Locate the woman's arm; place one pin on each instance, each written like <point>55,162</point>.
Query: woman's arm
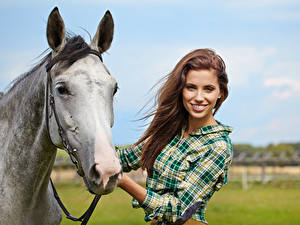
<point>198,182</point>
<point>135,190</point>
<point>129,156</point>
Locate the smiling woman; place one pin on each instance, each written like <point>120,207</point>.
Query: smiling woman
<point>185,151</point>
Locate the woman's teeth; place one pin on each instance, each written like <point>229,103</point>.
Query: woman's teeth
<point>199,106</point>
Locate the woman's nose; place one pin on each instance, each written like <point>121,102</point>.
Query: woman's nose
<point>199,96</point>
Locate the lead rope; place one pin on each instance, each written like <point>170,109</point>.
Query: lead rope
<point>85,217</point>
<point>72,153</point>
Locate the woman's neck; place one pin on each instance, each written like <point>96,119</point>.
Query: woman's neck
<point>194,123</point>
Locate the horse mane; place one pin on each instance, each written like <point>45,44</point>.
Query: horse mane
<point>74,49</point>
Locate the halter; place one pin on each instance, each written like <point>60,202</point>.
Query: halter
<point>66,144</point>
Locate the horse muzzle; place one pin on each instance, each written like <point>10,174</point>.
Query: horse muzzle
<point>104,180</point>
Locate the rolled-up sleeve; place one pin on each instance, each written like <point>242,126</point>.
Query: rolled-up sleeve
<point>130,156</point>
<point>199,181</point>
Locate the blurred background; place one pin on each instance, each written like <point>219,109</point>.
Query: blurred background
<point>259,41</point>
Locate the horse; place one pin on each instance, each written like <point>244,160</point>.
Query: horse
<point>74,76</point>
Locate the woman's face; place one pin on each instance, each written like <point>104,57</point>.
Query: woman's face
<point>199,95</point>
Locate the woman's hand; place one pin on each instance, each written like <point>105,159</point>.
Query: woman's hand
<point>123,180</point>
<point>132,188</point>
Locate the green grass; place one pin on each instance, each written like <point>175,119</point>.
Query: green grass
<point>258,205</point>
<point>274,204</point>
<point>112,209</point>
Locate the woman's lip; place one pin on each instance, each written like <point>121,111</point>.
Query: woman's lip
<point>198,108</point>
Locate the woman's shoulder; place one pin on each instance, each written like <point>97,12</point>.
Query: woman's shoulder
<point>210,139</point>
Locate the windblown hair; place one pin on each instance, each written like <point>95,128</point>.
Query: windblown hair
<point>169,114</point>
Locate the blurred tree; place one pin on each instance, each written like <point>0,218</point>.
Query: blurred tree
<point>277,149</point>
<point>243,147</point>
<point>282,147</point>
<point>295,145</point>
<point>246,148</point>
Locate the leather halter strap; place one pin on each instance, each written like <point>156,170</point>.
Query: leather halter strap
<point>50,101</point>
<point>85,216</point>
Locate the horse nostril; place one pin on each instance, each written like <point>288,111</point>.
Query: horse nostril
<point>114,178</point>
<point>94,174</point>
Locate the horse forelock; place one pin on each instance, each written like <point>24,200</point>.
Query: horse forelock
<point>75,48</point>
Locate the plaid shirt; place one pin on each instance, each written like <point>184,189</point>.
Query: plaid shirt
<point>185,174</point>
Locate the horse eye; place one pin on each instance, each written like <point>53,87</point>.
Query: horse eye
<point>62,89</point>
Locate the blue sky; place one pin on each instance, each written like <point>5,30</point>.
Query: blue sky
<point>259,41</point>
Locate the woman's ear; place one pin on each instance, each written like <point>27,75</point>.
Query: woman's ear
<point>220,95</point>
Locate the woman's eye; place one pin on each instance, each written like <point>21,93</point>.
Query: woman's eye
<point>189,87</point>
<point>209,88</point>
<point>62,89</point>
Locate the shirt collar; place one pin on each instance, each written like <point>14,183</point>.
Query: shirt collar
<point>211,129</point>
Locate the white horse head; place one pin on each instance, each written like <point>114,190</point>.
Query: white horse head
<point>83,91</point>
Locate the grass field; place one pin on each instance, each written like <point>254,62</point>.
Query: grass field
<point>274,204</point>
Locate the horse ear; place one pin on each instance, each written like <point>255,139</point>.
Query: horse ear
<point>56,30</point>
<point>104,35</point>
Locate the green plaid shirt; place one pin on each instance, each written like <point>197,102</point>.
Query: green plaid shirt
<point>185,174</point>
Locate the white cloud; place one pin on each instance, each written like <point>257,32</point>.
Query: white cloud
<point>245,62</point>
<point>228,3</point>
<point>283,81</point>
<point>282,95</point>
<point>275,130</point>
<point>265,10</point>
<point>283,77</point>
<point>259,3</point>
<point>284,128</point>
<point>284,68</point>
<point>97,2</point>
<point>291,87</point>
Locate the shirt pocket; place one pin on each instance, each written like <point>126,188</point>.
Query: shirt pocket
<point>174,173</point>
<point>196,157</point>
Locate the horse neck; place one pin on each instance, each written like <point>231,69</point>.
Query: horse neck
<point>28,155</point>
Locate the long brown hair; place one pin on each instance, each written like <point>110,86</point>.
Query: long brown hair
<point>170,114</point>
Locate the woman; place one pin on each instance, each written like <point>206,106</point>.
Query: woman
<point>185,151</point>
